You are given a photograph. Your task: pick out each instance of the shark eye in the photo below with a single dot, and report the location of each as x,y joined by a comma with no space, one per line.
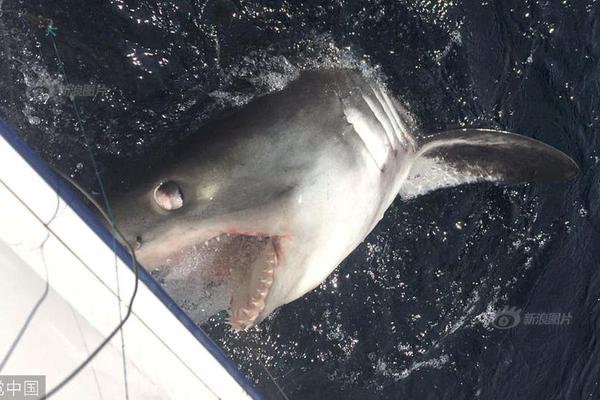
168,196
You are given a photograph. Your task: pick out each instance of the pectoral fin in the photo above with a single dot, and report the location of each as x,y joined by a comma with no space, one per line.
478,155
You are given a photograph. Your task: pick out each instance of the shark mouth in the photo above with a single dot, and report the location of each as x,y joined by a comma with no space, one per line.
244,263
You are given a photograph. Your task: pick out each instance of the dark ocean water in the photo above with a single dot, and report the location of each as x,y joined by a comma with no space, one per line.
411,313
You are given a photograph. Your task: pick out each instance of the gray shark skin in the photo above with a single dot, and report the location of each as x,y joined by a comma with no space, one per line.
260,207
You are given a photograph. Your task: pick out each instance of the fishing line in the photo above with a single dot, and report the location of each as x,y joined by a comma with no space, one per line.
107,215
130,306
279,388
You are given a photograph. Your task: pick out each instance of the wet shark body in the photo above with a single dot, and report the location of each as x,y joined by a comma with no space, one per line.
260,207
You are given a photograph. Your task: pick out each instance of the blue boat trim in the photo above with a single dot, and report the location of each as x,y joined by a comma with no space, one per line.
67,194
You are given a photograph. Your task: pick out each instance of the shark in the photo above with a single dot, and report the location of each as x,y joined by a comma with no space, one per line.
268,199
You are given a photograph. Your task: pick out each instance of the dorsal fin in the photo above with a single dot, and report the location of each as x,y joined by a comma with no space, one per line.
476,155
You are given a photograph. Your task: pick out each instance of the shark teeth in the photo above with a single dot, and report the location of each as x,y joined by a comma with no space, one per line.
245,263
249,299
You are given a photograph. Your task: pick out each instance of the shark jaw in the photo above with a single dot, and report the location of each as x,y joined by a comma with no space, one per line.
245,263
